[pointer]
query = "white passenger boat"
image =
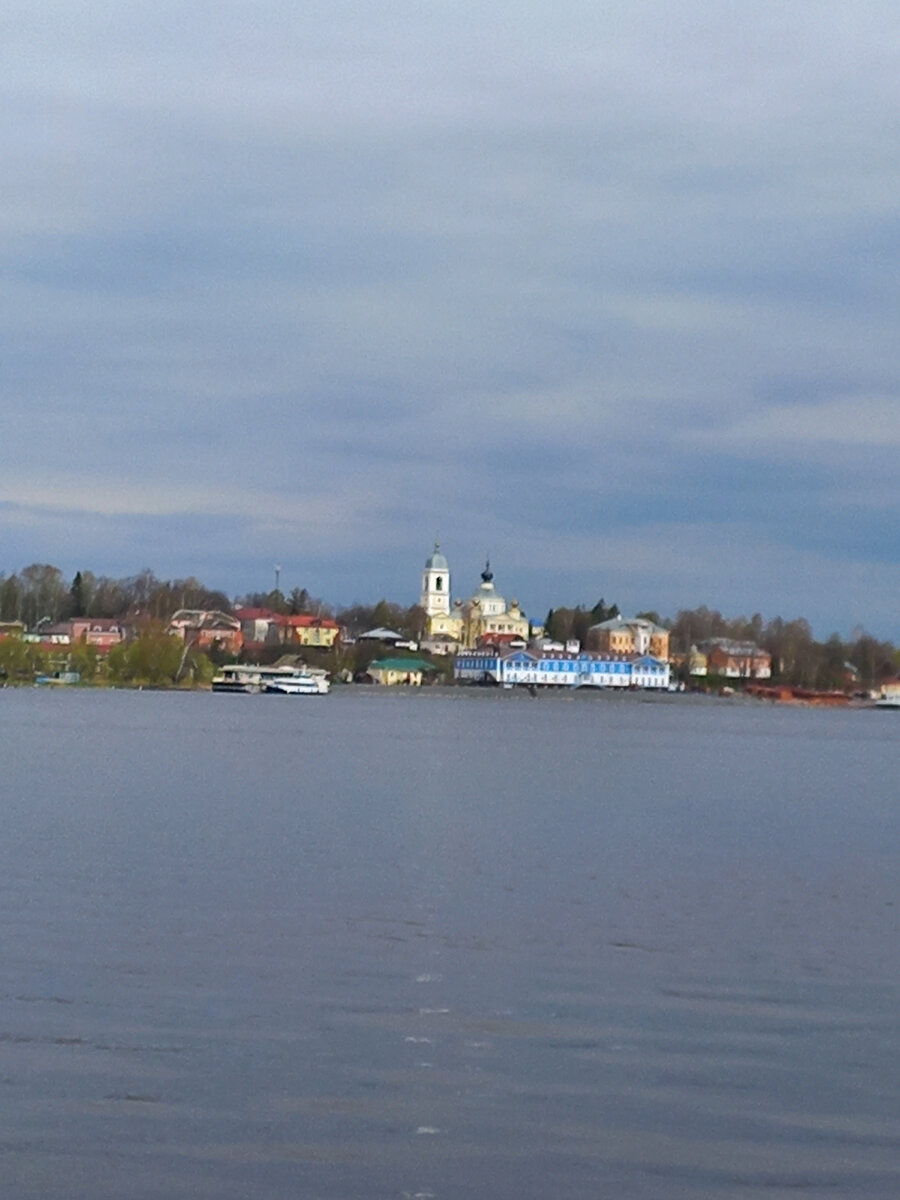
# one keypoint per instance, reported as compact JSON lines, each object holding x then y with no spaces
{"x":304,"y":682}
{"x":285,"y":681}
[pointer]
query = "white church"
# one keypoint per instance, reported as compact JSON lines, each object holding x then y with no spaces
{"x":461,"y":623}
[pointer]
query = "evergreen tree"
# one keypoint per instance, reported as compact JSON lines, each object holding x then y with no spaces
{"x":300,"y":602}
{"x":77,"y":605}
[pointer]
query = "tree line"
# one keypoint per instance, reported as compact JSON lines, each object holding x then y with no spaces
{"x":797,"y":656}
{"x":565,"y":624}
{"x":40,"y":592}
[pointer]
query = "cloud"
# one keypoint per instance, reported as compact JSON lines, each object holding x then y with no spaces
{"x":340,"y":275}
{"x":871,"y":422}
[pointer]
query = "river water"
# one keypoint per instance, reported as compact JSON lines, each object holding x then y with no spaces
{"x":447,"y":944}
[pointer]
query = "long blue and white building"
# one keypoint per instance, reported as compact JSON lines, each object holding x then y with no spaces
{"x":550,"y":669}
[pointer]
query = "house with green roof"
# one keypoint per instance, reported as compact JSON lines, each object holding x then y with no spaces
{"x":393,"y":671}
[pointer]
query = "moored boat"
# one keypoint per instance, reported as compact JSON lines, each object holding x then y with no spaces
{"x":304,"y":682}
{"x":239,"y":677}
{"x":249,"y":678}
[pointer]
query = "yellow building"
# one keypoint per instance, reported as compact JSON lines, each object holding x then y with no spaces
{"x":453,"y":623}
{"x":487,"y":613}
{"x":630,"y":635}
{"x":308,"y":631}
{"x":698,"y":663}
{"x":393,"y":671}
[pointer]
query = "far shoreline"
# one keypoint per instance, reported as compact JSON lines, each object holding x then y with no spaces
{"x":517,"y":693}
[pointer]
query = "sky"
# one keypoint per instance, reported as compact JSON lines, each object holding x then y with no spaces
{"x":607,"y":291}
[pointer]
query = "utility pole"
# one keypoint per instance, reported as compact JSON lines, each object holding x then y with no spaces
{"x":277,"y":578}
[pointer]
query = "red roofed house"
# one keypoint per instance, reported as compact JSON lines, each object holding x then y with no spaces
{"x":308,"y":630}
{"x":257,"y":624}
{"x":737,"y":660}
{"x":262,"y":627}
{"x":101,"y":632}
{"x":503,"y":641}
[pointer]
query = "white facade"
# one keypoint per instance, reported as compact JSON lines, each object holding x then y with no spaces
{"x":562,"y":670}
{"x":435,"y":598}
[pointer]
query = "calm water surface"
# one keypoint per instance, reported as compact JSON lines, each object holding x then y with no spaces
{"x":447,"y":945}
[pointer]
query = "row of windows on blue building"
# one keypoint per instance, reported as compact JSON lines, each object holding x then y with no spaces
{"x":478,"y":666}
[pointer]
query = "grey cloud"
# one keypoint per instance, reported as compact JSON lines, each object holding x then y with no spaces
{"x":539,"y":275}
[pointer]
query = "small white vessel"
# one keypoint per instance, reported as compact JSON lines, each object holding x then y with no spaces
{"x":306,"y":681}
{"x":250,"y":678}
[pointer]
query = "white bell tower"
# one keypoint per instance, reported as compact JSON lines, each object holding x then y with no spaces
{"x":435,"y":597}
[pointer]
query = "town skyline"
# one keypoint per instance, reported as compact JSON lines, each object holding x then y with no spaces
{"x":460,"y":589}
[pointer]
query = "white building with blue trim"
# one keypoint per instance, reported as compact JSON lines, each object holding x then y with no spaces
{"x":552,"y":669}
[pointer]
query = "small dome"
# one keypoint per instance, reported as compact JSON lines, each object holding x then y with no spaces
{"x":436,"y":560}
